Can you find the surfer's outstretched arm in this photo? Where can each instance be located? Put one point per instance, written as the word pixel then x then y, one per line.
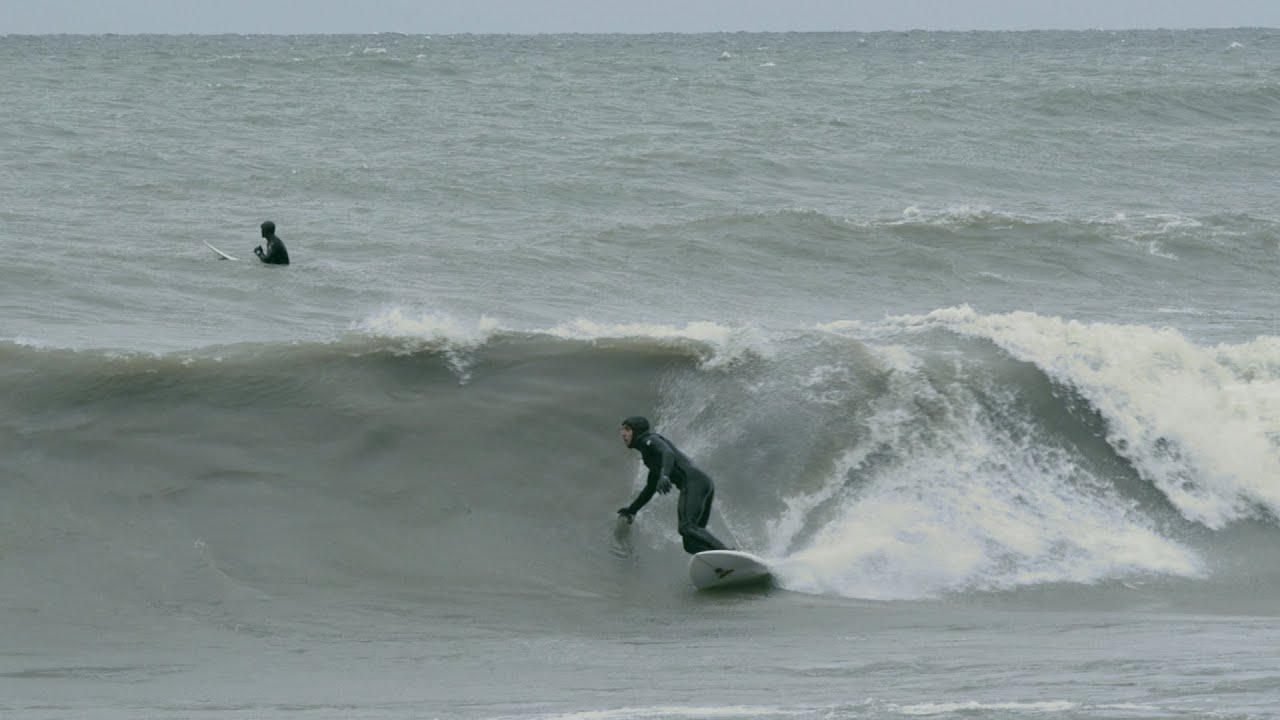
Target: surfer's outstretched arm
pixel 650 487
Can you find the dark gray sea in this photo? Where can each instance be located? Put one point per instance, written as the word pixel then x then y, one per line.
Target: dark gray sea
pixel 976 332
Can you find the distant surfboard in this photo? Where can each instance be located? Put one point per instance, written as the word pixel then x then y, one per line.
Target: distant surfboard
pixel 727 568
pixel 224 255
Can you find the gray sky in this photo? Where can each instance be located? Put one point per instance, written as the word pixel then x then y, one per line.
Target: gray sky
pixel 628 16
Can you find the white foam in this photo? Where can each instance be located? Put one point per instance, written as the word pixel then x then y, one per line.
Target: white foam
pixel 717 345
pixel 693 712
pixel 953 214
pixel 784 531
pixel 30 342
pixel 966 503
pixel 726 345
pixel 977 522
pixel 456 339
pixel 1201 423
pixel 970 707
pixel 393 322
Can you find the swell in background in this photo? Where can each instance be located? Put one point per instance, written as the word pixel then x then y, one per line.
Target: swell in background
pixel 769 179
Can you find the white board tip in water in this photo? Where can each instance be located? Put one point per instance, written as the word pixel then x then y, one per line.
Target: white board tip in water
pixel 726 568
pixel 224 255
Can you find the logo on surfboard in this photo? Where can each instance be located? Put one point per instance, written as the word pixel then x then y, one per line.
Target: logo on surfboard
pixel 722 573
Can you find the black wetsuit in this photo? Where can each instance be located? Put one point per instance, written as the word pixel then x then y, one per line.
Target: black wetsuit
pixel 696 490
pixel 275 254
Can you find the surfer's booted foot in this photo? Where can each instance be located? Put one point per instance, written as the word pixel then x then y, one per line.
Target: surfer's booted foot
pixel 668 466
pixel 275 254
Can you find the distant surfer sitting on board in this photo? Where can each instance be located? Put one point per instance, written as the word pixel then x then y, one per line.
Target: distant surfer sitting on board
pixel 668 466
pixel 275 254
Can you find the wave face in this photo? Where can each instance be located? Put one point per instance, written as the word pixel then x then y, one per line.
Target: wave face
pixel 916 457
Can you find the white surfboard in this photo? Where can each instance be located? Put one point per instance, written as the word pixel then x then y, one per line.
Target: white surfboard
pixel 727 568
pixel 224 255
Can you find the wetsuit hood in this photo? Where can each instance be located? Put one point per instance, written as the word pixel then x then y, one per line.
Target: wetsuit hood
pixel 639 428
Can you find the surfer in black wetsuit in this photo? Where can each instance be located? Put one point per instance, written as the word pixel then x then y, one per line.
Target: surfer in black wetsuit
pixel 668 466
pixel 275 254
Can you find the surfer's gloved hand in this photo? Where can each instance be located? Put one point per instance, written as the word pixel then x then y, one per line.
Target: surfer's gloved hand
pixel 626 514
pixel 664 484
pixel 258 251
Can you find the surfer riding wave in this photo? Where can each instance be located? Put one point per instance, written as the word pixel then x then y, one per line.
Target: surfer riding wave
pixel 667 467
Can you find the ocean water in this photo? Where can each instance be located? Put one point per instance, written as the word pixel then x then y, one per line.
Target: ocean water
pixel 977 333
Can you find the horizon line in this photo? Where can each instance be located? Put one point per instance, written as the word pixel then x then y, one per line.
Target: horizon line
pixel 636 33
